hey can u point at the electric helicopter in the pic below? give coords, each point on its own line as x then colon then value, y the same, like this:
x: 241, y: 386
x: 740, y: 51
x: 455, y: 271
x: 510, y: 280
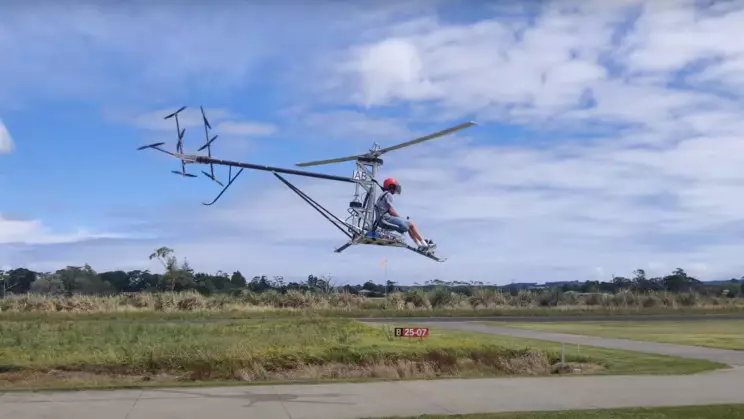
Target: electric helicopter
x: 362, y: 226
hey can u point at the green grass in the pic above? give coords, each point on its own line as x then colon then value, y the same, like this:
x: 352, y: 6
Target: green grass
x: 726, y: 411
x: 88, y: 353
x: 278, y: 313
x: 615, y: 362
x: 723, y: 334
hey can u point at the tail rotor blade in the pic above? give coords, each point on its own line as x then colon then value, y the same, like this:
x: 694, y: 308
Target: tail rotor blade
x: 184, y: 174
x: 169, y: 116
x: 204, y: 117
x: 213, y: 178
x: 150, y: 146
x: 209, y: 143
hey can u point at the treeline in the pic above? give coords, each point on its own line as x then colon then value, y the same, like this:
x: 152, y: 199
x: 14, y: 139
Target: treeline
x: 179, y: 276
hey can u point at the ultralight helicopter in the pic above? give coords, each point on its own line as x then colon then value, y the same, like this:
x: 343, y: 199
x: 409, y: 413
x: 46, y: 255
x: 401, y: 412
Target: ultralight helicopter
x: 362, y: 226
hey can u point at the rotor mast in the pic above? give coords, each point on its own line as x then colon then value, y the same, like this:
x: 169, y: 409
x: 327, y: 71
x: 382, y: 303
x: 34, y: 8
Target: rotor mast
x: 367, y: 168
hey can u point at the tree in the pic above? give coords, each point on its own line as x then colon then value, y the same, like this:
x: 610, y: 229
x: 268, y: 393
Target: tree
x: 143, y: 280
x: 369, y: 286
x: 20, y: 280
x: 175, y: 278
x: 47, y: 283
x: 119, y: 280
x: 639, y: 275
x: 390, y: 286
x: 278, y: 283
x: 83, y: 280
x: 621, y: 282
x: 164, y: 255
x: 259, y: 284
x: 679, y: 281
x: 181, y: 277
x: 221, y: 281
x: 5, y: 284
x: 642, y: 284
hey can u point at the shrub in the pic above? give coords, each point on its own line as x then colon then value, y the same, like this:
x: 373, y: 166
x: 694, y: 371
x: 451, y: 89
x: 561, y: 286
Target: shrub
x: 191, y: 302
x: 441, y: 297
x: 417, y: 298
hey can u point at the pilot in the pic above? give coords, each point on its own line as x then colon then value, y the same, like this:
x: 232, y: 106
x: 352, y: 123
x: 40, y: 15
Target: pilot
x: 389, y: 219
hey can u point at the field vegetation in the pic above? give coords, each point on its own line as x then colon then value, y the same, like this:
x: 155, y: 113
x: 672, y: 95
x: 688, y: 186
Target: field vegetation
x: 100, y: 353
x: 180, y: 289
x: 418, y: 302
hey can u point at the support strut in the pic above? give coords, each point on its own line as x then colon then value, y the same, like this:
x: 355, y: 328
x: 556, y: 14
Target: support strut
x: 324, y: 212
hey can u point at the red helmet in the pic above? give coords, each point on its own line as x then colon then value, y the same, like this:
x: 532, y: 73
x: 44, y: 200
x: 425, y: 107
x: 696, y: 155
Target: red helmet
x: 391, y: 185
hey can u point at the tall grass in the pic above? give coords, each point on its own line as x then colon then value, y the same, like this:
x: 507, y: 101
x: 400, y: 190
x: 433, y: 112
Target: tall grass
x: 438, y: 299
x: 248, y: 351
x: 84, y: 353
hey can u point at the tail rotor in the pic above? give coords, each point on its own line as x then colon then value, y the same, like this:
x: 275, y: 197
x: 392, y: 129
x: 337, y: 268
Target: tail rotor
x: 208, y: 146
x: 179, y: 145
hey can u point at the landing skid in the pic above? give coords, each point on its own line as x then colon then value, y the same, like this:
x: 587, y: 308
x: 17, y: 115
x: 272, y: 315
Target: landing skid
x: 429, y: 255
x: 383, y: 241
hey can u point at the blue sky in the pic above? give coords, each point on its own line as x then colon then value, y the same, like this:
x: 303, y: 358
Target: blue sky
x: 609, y: 134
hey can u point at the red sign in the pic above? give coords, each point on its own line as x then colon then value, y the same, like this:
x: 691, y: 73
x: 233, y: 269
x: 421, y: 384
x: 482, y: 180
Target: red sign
x: 412, y: 332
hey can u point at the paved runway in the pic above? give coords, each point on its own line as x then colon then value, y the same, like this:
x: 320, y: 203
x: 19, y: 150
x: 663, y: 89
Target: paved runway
x: 563, y: 318
x: 405, y: 398
x: 710, y: 354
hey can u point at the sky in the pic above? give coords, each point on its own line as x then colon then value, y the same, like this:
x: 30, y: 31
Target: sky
x: 609, y: 135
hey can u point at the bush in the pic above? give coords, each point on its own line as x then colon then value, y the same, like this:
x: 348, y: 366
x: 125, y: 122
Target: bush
x: 191, y: 302
x: 687, y: 299
x: 441, y: 297
x: 418, y: 299
x: 395, y: 301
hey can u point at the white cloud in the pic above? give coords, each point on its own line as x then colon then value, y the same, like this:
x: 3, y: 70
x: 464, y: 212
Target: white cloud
x: 514, y: 71
x: 355, y: 126
x: 6, y: 141
x: 246, y: 128
x: 222, y: 121
x: 176, y: 51
x: 30, y: 232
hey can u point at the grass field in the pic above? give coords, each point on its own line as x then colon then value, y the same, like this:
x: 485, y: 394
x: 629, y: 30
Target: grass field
x: 95, y: 353
x: 735, y: 411
x: 436, y: 302
x: 723, y: 334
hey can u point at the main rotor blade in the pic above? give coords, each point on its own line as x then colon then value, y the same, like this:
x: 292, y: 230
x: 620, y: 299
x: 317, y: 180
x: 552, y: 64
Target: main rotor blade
x: 395, y: 147
x: 428, y: 137
x: 319, y: 162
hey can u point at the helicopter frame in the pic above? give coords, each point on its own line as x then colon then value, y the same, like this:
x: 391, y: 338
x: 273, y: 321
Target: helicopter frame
x: 362, y: 224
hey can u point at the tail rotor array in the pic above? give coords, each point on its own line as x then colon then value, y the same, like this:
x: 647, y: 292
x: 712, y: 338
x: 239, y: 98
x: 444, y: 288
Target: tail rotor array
x: 208, y: 146
x: 186, y: 159
x: 179, y: 145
